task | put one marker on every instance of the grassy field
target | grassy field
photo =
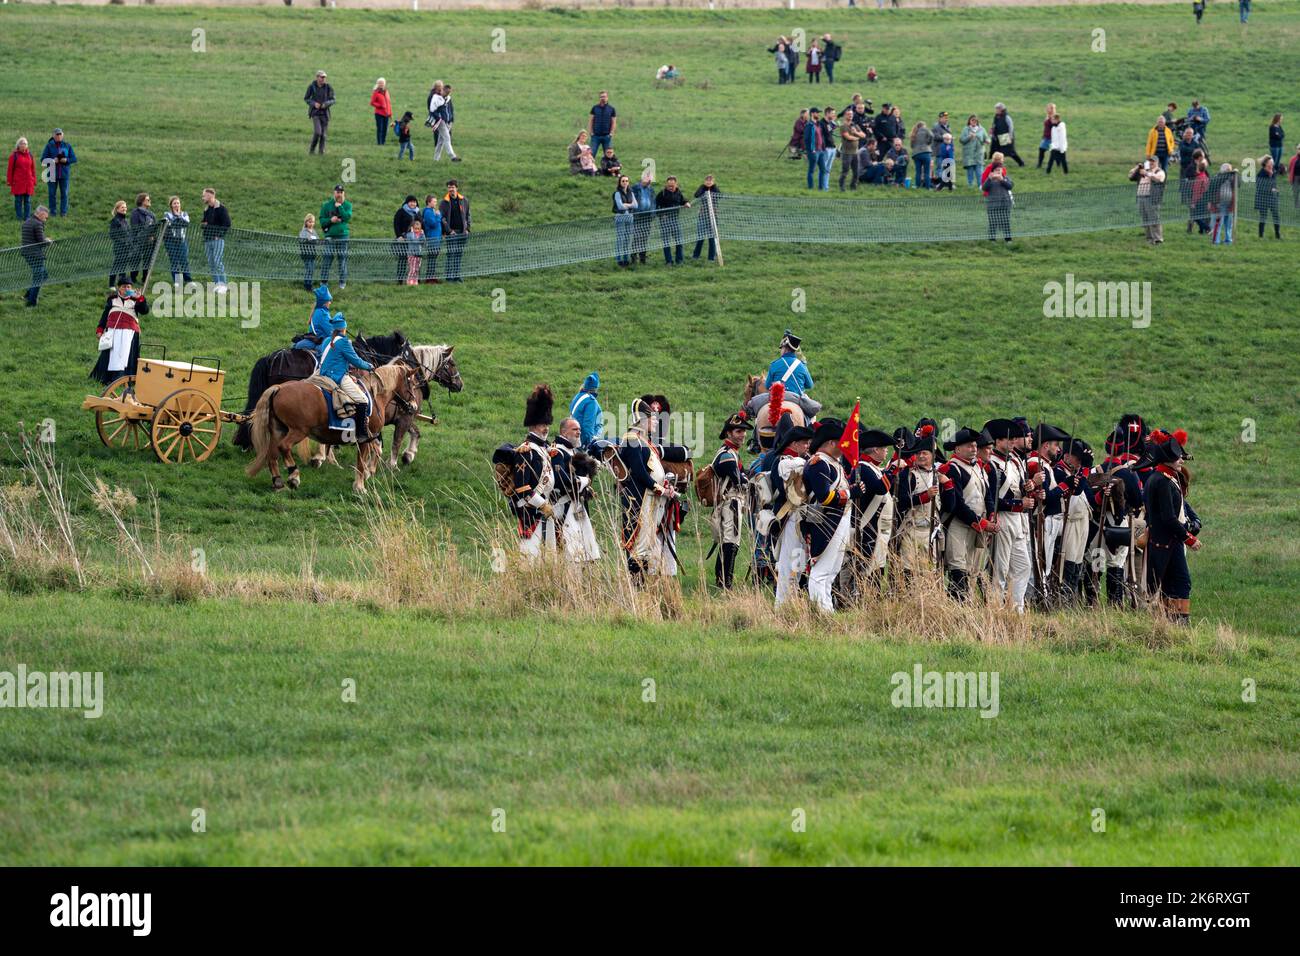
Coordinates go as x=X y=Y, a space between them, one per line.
x=234 y=705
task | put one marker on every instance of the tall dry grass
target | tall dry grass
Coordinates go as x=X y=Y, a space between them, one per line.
x=402 y=559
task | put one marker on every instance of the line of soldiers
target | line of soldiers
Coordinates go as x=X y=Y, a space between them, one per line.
x=1024 y=513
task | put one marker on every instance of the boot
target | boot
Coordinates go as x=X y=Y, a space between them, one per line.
x=958 y=586
x=1070 y=572
x=1116 y=591
x=725 y=567
x=1181 y=609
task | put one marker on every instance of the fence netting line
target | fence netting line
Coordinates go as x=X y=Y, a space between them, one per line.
x=910 y=216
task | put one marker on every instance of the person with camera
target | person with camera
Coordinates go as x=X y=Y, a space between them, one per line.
x=335 y=216
x=1150 y=178
x=851 y=137
x=1004 y=133
x=998 y=200
x=319 y=98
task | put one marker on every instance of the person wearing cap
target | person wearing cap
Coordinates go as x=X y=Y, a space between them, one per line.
x=534 y=477
x=1173 y=526
x=763 y=486
x=964 y=504
x=119 y=333
x=789 y=551
x=319 y=98
x=585 y=407
x=918 y=485
x=59 y=156
x=335 y=359
x=456 y=224
x=1014 y=502
x=871 y=492
x=651 y=508
x=1077 y=459
x=827 y=521
x=789 y=368
x=729 y=498
x=320 y=325
x=335 y=216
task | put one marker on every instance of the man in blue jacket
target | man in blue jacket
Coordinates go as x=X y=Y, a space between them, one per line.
x=59 y=155
x=789 y=369
x=586 y=409
x=336 y=358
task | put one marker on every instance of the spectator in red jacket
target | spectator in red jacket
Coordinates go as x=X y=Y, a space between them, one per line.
x=383 y=108
x=20 y=176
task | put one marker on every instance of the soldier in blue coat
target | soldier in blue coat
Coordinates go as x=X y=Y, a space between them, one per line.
x=652 y=507
x=789 y=368
x=826 y=524
x=729 y=501
x=534 y=477
x=1172 y=527
x=335 y=358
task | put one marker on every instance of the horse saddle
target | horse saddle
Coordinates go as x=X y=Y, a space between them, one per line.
x=341 y=411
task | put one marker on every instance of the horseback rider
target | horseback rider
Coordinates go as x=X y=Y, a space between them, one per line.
x=335 y=357
x=319 y=326
x=789 y=368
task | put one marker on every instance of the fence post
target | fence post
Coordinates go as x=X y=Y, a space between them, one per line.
x=713 y=221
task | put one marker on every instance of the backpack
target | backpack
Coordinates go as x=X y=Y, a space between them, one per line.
x=503 y=468
x=706 y=486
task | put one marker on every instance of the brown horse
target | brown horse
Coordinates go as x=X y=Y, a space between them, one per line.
x=765 y=421
x=288 y=413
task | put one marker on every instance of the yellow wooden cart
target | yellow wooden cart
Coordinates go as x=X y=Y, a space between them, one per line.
x=174 y=407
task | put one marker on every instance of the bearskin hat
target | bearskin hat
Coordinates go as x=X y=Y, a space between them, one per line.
x=538 y=409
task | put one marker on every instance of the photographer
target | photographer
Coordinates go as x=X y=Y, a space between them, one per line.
x=1150 y=179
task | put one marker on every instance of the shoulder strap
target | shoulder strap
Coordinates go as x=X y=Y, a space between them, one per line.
x=577 y=402
x=790 y=370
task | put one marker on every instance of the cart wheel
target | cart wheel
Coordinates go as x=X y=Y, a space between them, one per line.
x=186 y=427
x=115 y=429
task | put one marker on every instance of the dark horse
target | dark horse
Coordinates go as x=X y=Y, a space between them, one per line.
x=292 y=365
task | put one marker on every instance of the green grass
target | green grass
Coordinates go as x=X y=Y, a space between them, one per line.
x=239 y=711
x=236 y=705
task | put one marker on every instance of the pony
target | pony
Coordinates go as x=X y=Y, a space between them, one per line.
x=292 y=365
x=288 y=412
x=770 y=413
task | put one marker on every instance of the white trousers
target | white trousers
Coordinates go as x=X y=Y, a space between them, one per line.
x=1011 y=565
x=1052 y=525
x=444 y=143
x=791 y=557
x=826 y=566
x=543 y=536
x=577 y=535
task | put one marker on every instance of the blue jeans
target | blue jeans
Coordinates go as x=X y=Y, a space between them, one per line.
x=61 y=187
x=381 y=129
x=335 y=247
x=972 y=175
x=455 y=248
x=1243 y=6
x=432 y=245
x=23 y=207
x=407 y=147
x=599 y=144
x=622 y=237
x=830 y=70
x=179 y=254
x=922 y=161
x=814 y=160
x=670 y=234
x=39 y=275
x=1276 y=153
x=825 y=160
x=216 y=251
x=308 y=268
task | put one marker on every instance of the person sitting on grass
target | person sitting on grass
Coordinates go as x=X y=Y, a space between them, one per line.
x=581 y=162
x=609 y=164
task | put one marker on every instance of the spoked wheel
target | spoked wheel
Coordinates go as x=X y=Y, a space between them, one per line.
x=186 y=427
x=115 y=429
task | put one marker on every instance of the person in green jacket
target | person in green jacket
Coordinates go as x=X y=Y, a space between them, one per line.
x=974 y=138
x=335 y=214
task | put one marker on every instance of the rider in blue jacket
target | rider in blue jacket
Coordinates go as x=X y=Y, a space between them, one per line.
x=319 y=332
x=336 y=358
x=789 y=369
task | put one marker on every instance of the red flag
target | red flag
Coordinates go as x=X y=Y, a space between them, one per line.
x=849 y=440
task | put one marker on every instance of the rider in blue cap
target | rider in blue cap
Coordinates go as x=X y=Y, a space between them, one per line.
x=320 y=325
x=586 y=409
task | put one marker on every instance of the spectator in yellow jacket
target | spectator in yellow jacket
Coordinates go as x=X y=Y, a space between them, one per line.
x=1160 y=142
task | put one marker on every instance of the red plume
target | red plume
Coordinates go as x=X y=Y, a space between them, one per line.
x=1159 y=437
x=927 y=430
x=775 y=403
x=1180 y=436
